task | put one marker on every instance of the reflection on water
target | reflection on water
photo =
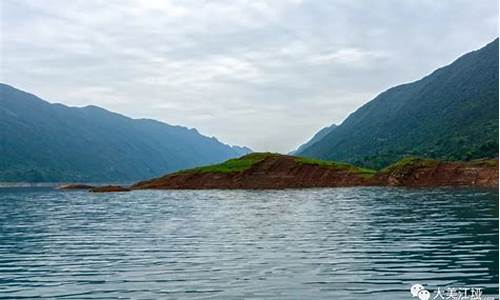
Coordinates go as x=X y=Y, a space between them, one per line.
x=349 y=243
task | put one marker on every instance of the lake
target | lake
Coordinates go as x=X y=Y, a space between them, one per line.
x=344 y=243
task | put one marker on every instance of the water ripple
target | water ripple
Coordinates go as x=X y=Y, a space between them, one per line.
x=346 y=243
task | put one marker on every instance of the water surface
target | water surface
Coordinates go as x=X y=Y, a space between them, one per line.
x=345 y=243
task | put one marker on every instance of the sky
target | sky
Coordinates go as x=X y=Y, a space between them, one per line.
x=263 y=74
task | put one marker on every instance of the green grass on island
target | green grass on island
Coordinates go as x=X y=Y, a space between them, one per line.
x=485 y=162
x=410 y=162
x=231 y=166
x=336 y=165
x=244 y=163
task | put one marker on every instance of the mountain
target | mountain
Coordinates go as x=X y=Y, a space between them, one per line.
x=316 y=137
x=44 y=142
x=451 y=114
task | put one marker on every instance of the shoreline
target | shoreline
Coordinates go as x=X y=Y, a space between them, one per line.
x=269 y=171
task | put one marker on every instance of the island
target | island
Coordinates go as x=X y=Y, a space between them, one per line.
x=278 y=171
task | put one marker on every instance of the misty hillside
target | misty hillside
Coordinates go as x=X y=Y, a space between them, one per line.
x=449 y=114
x=316 y=138
x=40 y=141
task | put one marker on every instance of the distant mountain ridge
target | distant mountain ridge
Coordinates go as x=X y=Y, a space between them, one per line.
x=40 y=141
x=451 y=114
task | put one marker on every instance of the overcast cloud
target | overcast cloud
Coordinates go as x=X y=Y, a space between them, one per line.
x=265 y=74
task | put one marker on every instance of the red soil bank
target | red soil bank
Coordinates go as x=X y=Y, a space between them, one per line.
x=282 y=171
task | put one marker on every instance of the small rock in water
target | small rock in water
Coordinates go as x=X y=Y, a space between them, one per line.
x=109 y=189
x=76 y=186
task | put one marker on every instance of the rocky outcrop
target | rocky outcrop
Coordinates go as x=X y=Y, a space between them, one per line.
x=109 y=188
x=422 y=172
x=76 y=186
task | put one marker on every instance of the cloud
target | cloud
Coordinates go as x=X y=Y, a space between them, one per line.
x=350 y=56
x=266 y=74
